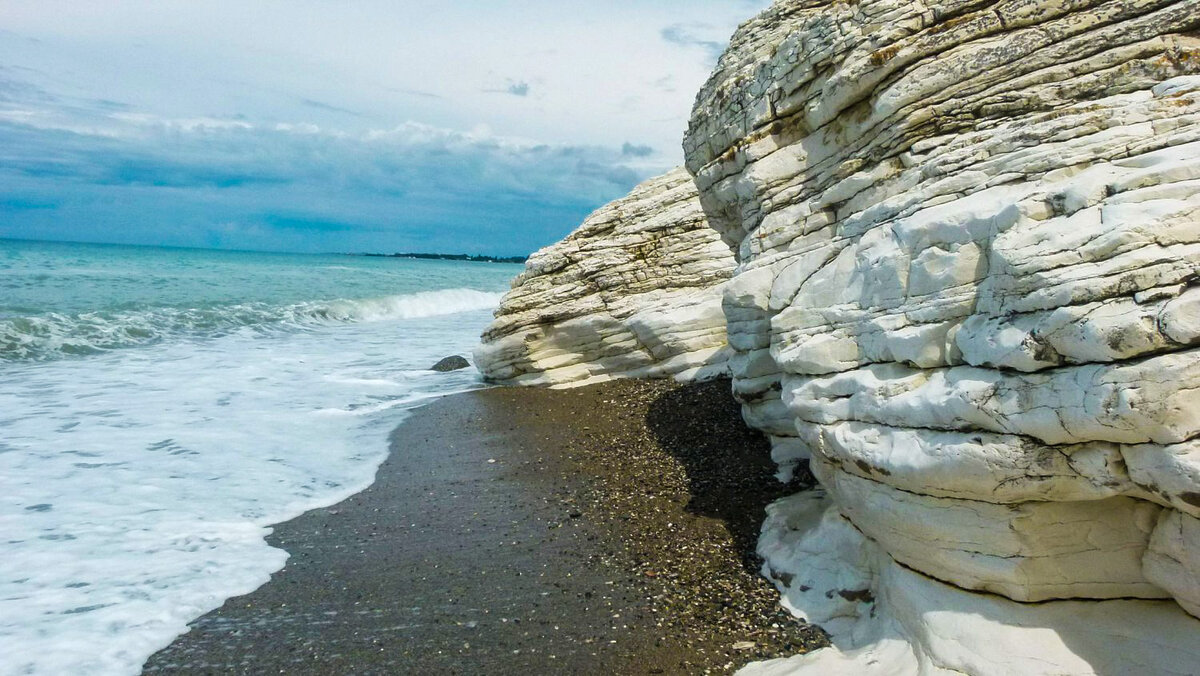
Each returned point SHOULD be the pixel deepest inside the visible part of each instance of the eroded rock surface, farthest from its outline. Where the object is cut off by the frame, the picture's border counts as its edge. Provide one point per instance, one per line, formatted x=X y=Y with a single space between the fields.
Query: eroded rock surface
x=968 y=287
x=634 y=292
x=918 y=625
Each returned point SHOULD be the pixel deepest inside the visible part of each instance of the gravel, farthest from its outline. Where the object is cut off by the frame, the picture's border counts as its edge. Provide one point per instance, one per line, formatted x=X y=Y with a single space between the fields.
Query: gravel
x=606 y=529
x=679 y=485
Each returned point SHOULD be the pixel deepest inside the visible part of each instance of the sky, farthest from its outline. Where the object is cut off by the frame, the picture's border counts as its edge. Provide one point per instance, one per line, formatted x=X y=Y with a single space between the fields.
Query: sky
x=383 y=126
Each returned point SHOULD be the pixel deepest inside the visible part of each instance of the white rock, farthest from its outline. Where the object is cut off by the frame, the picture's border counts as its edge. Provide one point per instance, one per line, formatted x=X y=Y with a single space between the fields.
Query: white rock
x=1173 y=559
x=968 y=242
x=1168 y=474
x=634 y=292
x=1153 y=400
x=926 y=627
x=981 y=466
x=788 y=453
x=913 y=624
x=1030 y=551
x=821 y=563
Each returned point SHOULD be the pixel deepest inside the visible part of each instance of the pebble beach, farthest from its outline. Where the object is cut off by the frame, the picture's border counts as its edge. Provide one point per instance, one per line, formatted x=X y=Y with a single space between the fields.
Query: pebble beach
x=604 y=529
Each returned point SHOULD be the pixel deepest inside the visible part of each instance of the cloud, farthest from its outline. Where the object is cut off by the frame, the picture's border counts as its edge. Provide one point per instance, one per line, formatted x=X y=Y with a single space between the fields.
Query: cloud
x=321 y=105
x=665 y=84
x=117 y=176
x=630 y=150
x=304 y=223
x=515 y=87
x=25 y=204
x=14 y=90
x=95 y=121
x=692 y=35
x=415 y=92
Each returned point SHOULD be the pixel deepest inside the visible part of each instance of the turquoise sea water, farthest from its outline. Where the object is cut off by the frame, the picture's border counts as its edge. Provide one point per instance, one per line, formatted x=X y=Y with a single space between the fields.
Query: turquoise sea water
x=60 y=299
x=160 y=409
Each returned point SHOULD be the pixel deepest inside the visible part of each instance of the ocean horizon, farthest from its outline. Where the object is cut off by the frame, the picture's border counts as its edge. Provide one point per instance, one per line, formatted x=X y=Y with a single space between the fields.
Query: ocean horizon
x=163 y=407
x=474 y=258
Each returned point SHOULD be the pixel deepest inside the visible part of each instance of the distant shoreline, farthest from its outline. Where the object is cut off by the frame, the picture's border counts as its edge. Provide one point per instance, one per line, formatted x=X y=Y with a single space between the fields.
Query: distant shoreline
x=450 y=257
x=178 y=247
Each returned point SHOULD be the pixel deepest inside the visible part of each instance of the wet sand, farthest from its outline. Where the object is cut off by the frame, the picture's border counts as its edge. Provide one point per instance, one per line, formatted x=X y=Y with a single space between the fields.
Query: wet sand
x=602 y=530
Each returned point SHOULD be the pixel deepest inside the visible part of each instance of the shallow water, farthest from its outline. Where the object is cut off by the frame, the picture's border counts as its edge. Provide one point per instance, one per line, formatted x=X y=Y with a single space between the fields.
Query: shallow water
x=147 y=441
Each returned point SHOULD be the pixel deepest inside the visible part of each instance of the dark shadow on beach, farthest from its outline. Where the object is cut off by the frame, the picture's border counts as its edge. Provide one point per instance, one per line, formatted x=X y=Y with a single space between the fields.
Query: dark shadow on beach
x=731 y=476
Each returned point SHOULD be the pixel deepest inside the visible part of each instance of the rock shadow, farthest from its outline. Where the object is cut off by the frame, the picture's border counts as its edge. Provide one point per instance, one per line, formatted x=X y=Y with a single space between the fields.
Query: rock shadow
x=731 y=476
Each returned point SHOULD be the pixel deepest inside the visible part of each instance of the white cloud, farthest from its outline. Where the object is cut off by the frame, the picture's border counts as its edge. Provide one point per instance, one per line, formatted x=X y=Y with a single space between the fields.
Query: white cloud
x=301 y=181
x=375 y=112
x=586 y=62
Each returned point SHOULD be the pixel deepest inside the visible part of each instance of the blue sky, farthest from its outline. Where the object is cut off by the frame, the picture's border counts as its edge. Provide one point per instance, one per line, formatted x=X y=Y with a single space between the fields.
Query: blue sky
x=309 y=125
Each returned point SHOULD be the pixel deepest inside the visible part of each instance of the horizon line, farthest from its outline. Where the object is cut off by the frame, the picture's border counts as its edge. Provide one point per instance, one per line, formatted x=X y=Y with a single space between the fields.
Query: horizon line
x=8 y=238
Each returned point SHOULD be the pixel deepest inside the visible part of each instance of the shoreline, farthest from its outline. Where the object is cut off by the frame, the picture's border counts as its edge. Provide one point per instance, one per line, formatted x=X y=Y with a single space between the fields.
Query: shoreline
x=607 y=528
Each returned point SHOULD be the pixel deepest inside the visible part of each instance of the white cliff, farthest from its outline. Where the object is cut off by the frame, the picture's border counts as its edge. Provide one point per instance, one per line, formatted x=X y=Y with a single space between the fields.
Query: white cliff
x=967 y=292
x=634 y=292
x=968 y=244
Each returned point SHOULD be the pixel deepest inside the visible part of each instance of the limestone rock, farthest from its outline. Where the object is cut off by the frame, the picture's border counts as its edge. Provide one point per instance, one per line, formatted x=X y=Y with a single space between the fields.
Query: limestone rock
x=968 y=287
x=983 y=466
x=635 y=291
x=917 y=625
x=1173 y=559
x=1029 y=551
x=1168 y=474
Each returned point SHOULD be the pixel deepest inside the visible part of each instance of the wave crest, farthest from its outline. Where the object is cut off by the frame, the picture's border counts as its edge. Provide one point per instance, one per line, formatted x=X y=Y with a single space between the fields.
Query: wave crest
x=53 y=335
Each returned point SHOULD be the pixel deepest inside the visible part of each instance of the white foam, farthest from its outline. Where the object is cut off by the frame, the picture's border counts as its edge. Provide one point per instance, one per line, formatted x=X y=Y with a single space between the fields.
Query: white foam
x=409 y=306
x=53 y=335
x=136 y=486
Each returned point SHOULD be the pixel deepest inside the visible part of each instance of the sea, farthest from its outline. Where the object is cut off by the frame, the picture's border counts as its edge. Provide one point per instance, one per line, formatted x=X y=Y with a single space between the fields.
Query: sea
x=161 y=408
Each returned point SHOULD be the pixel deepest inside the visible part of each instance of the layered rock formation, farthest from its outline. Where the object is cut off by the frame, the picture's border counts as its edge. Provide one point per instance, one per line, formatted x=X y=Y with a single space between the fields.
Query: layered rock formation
x=968 y=244
x=634 y=292
x=967 y=291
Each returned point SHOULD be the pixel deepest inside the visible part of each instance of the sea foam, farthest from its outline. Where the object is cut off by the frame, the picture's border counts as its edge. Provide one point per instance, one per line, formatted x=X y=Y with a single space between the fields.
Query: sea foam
x=137 y=485
x=54 y=335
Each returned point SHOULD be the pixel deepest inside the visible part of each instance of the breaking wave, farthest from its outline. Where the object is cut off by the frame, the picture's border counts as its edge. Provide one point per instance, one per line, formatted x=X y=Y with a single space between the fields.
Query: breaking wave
x=54 y=335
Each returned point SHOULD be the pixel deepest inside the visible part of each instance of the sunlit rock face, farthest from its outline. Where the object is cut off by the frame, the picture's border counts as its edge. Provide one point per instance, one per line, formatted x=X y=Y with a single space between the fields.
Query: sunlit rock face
x=634 y=292
x=968 y=286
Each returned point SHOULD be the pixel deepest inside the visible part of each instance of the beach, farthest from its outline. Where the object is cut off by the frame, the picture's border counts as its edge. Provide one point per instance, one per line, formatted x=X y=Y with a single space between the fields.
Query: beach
x=162 y=408
x=605 y=529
